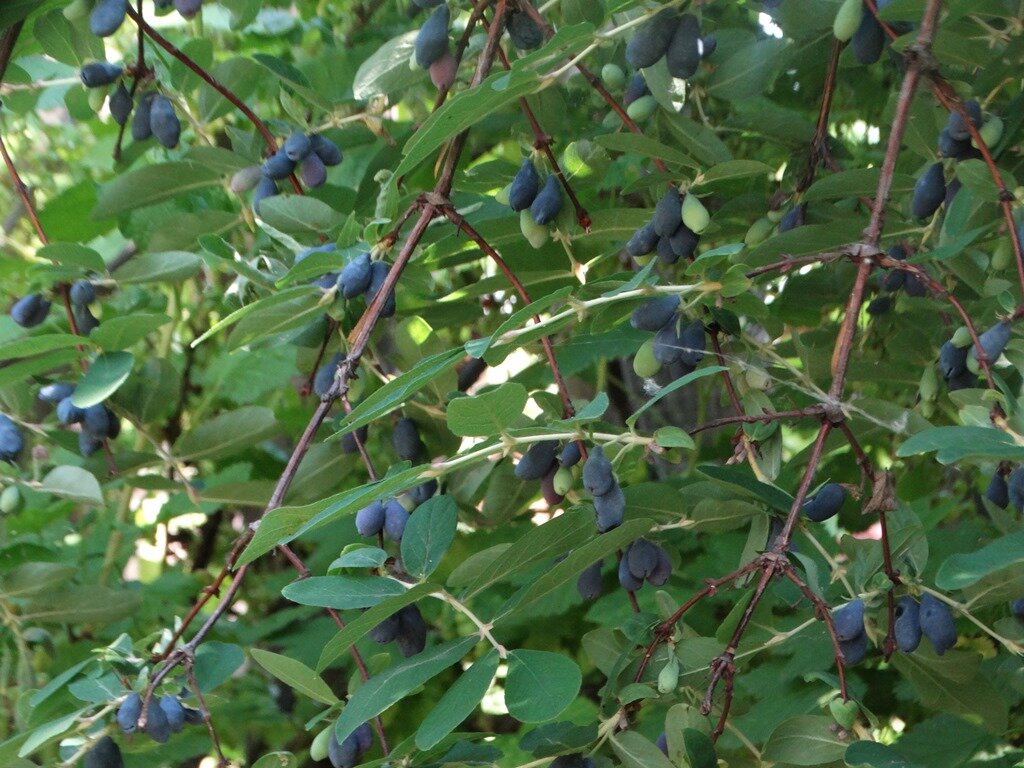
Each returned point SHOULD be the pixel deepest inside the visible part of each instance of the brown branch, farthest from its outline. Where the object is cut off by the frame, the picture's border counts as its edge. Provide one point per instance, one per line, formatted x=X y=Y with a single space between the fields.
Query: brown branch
x=214 y=83
x=761 y=418
x=946 y=96
x=364 y=673
x=825 y=614
x=21 y=189
x=358 y=339
x=542 y=141
x=461 y=44
x=7 y=43
x=459 y=221
x=190 y=675
x=793 y=261
x=360 y=446
x=819 y=144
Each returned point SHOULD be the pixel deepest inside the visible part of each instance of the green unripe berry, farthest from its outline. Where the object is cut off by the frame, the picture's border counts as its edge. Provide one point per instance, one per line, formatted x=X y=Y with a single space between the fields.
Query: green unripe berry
x=642 y=108
x=318 y=749
x=562 y=482
x=645 y=364
x=11 y=500
x=97 y=96
x=1002 y=257
x=992 y=131
x=668 y=678
x=962 y=337
x=613 y=76
x=502 y=194
x=611 y=121
x=759 y=231
x=844 y=712
x=848 y=19
x=757 y=378
x=78 y=9
x=536 y=234
x=695 y=215
x=775 y=216
x=928 y=387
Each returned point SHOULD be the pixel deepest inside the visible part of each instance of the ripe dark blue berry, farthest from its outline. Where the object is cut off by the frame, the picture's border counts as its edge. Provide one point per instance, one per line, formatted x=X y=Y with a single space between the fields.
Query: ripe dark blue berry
x=370 y=519
x=937 y=623
x=128 y=713
x=29 y=311
x=99 y=73
x=997 y=491
x=548 y=203
x=104 y=754
x=412 y=631
x=825 y=503
x=164 y=122
x=643 y=241
x=683 y=54
x=849 y=620
x=654 y=313
x=325 y=149
x=907 y=626
x=432 y=40
x=929 y=192
x=651 y=40
x=107 y=17
x=395 y=519
x=355 y=277
x=406 y=439
x=278 y=166
x=297 y=146
x=590 y=584
x=598 y=476
x=120 y=104
x=525 y=186
x=378 y=274
x=537 y=460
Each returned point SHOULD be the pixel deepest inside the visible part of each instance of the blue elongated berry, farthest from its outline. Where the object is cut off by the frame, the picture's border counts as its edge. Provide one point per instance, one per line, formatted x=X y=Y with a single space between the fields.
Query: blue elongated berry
x=849 y=620
x=378 y=274
x=524 y=188
x=82 y=292
x=325 y=149
x=120 y=104
x=598 y=476
x=128 y=714
x=590 y=584
x=278 y=166
x=432 y=40
x=355 y=277
x=548 y=203
x=107 y=17
x=54 y=393
x=929 y=191
x=825 y=503
x=99 y=73
x=994 y=341
x=570 y=455
x=537 y=460
x=297 y=146
x=29 y=311
x=907 y=626
x=997 y=491
x=174 y=711
x=395 y=519
x=654 y=313
x=937 y=623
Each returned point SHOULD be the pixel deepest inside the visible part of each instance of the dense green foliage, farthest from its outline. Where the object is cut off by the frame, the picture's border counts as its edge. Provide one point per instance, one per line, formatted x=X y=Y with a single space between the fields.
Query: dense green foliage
x=372 y=383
